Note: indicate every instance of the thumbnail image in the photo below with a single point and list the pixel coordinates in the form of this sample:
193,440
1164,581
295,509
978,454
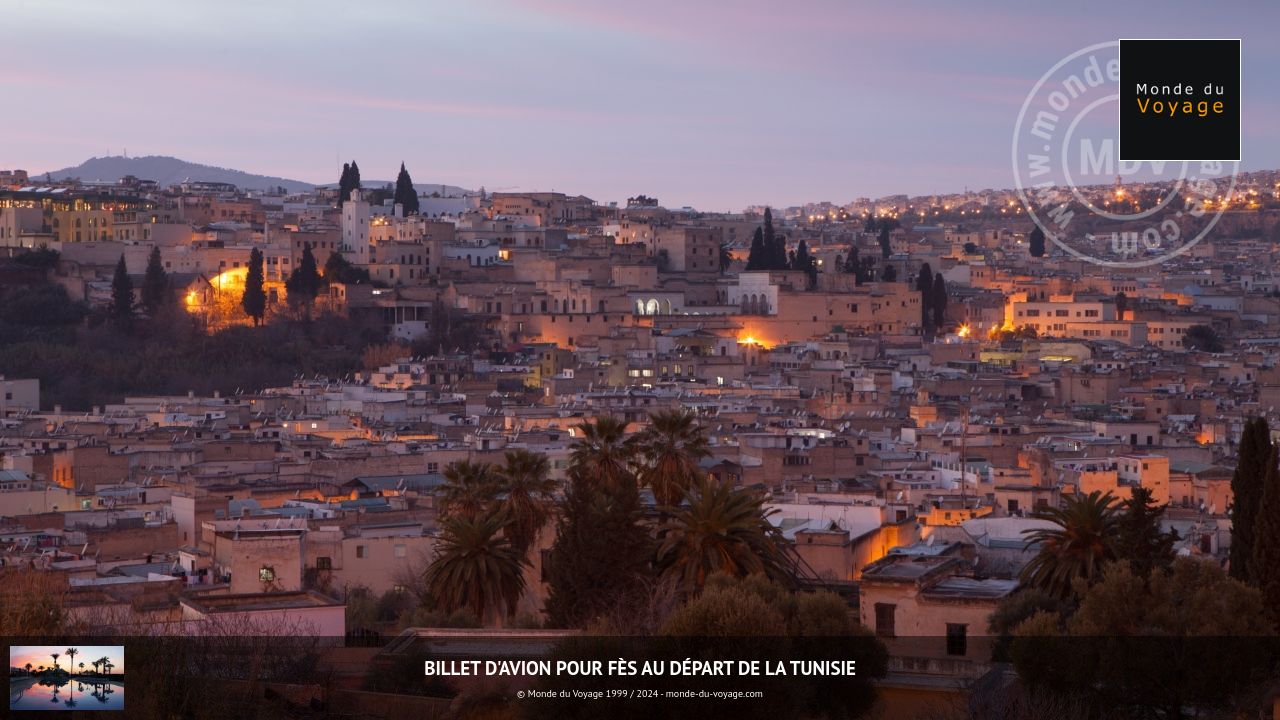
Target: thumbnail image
58,677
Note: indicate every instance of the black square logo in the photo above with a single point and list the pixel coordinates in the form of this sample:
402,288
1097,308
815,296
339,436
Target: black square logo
1180,100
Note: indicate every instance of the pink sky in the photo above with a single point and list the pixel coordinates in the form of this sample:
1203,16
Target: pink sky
37,655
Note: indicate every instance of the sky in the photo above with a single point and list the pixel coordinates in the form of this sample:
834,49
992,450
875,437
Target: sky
37,655
708,103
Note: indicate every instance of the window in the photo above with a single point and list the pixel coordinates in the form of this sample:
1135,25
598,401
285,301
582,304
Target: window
267,574
884,619
324,563
957,639
360,551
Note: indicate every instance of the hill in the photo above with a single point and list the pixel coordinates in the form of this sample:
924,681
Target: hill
168,171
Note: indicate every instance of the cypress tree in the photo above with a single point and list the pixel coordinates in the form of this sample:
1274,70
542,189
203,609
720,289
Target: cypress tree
1265,564
939,300
885,249
304,282
344,183
1036,242
1246,488
756,259
775,247
121,307
355,176
924,285
254,300
1140,541
405,195
155,284
889,274
601,555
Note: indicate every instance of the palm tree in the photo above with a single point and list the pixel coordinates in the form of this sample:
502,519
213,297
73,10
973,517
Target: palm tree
55,657
100,663
671,447
476,566
602,455
720,529
469,488
526,496
28,667
81,668
107,665
1083,541
71,657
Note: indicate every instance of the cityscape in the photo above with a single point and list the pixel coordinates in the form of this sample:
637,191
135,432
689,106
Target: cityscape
997,452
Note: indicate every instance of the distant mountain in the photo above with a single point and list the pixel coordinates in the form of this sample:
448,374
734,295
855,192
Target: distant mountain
168,171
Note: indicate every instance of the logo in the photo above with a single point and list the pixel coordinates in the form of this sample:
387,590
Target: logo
1087,200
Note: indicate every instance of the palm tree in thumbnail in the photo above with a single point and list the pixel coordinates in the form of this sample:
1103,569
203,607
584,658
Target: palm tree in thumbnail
1080,544
720,529
71,658
671,447
476,566
81,668
602,455
526,496
55,657
469,488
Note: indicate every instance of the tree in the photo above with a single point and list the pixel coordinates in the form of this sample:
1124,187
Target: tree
938,299
304,283
1203,338
889,274
476,567
671,447
1083,541
469,488
71,658
337,269
756,258
526,496
602,455
602,554
1266,541
406,196
1140,540
121,307
775,246
1122,302
885,248
726,258
1035,242
721,529
254,299
924,285
1189,637
349,181
970,249
155,284
1246,489
55,657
